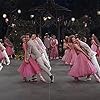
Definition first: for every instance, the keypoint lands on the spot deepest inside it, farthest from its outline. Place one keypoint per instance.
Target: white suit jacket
(87, 48)
(32, 50)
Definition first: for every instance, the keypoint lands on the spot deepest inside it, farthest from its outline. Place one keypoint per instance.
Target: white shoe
(88, 79)
(3, 62)
(98, 80)
(8, 63)
(49, 68)
(1, 68)
(52, 78)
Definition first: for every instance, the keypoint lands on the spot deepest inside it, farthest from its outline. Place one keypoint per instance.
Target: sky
(79, 7)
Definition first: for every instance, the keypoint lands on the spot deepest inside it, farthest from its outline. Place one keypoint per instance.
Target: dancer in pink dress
(66, 58)
(72, 54)
(95, 45)
(82, 66)
(30, 68)
(9, 47)
(54, 48)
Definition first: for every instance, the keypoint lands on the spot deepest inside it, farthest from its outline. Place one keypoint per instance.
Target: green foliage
(21, 28)
(79, 27)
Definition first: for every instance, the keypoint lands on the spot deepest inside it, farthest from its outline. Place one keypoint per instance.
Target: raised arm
(94, 42)
(79, 49)
(65, 46)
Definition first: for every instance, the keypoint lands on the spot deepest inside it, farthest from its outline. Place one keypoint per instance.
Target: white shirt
(86, 47)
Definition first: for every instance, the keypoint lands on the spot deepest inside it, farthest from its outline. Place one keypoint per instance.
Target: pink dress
(82, 66)
(71, 55)
(54, 48)
(9, 47)
(67, 57)
(29, 69)
(98, 52)
(94, 46)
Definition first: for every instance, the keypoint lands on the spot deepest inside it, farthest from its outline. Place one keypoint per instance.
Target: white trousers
(46, 55)
(42, 65)
(1, 67)
(6, 56)
(46, 62)
(96, 64)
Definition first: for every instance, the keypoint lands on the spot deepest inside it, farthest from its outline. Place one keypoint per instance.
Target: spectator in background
(54, 48)
(47, 43)
(9, 47)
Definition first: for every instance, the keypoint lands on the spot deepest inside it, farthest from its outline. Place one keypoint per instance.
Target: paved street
(64, 88)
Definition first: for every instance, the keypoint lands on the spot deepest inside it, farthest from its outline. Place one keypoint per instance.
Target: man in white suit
(42, 50)
(33, 51)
